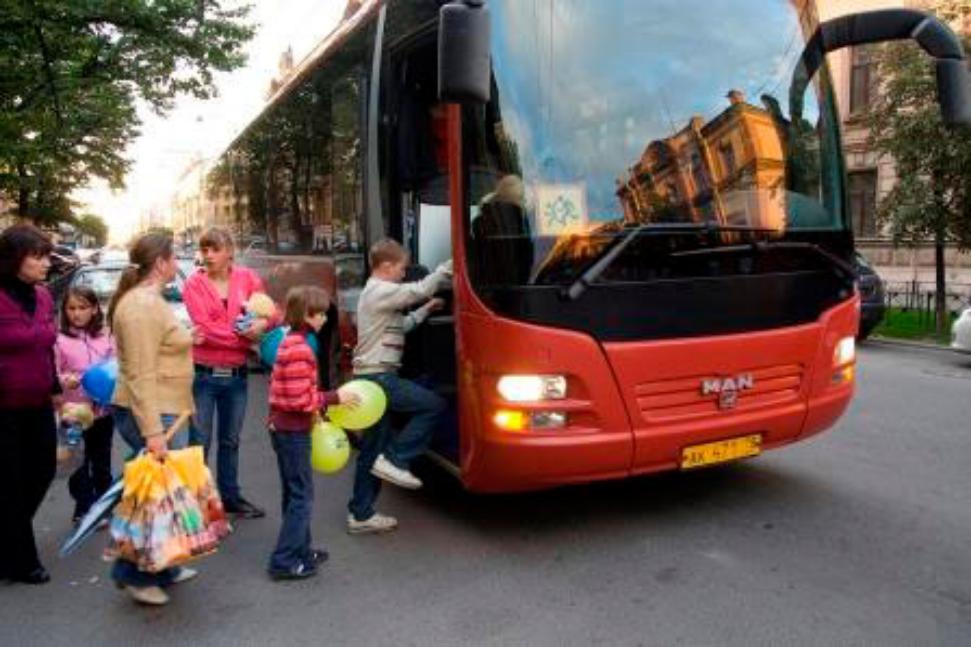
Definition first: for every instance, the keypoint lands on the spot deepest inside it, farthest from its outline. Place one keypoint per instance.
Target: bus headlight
(845, 352)
(531, 388)
(512, 420)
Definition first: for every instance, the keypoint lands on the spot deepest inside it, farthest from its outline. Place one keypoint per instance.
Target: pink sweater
(74, 355)
(221, 347)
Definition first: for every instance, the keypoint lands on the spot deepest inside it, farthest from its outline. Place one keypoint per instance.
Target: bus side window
(434, 234)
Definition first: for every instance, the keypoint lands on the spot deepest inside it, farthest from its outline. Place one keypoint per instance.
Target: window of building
(727, 153)
(863, 203)
(698, 172)
(862, 79)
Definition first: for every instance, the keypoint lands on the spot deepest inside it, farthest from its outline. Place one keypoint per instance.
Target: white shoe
(151, 595)
(386, 471)
(185, 574)
(376, 524)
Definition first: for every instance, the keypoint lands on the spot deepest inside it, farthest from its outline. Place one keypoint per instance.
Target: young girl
(83, 341)
(294, 401)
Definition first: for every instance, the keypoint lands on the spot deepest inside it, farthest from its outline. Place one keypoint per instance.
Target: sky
(204, 128)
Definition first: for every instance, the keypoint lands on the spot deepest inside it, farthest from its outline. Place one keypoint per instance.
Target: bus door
(416, 180)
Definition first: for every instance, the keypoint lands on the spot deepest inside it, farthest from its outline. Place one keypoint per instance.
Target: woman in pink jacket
(82, 342)
(215, 296)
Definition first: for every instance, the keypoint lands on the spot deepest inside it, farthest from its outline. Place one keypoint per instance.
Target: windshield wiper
(576, 289)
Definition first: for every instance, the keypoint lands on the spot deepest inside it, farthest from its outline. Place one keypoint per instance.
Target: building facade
(871, 177)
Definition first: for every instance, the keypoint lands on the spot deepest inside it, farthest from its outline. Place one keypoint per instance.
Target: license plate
(721, 451)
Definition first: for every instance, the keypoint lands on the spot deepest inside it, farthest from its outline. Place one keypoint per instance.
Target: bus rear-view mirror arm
(464, 68)
(936, 38)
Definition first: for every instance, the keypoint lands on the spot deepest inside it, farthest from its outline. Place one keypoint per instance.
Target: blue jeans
(123, 571)
(221, 400)
(404, 396)
(293, 461)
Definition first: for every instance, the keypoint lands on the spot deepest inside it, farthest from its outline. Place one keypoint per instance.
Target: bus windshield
(672, 117)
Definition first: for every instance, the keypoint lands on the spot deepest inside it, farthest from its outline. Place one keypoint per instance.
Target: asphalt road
(859, 537)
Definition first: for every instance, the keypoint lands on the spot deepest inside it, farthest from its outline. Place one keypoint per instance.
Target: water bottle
(73, 434)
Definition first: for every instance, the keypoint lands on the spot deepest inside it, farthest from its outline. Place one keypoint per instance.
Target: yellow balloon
(329, 449)
(367, 413)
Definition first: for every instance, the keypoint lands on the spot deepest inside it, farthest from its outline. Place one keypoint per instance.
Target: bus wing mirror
(936, 38)
(463, 52)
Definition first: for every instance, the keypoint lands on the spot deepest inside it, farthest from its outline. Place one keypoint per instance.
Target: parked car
(64, 263)
(104, 277)
(111, 254)
(961, 332)
(188, 264)
(872, 297)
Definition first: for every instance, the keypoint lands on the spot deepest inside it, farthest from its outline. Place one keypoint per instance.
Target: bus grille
(681, 399)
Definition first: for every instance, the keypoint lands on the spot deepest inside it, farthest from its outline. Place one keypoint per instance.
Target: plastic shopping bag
(163, 521)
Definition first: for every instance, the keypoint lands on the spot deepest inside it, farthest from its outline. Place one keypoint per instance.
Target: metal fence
(921, 297)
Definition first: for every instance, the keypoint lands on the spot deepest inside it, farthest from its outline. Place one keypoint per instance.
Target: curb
(906, 343)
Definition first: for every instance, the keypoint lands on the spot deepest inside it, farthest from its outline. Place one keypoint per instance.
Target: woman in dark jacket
(28, 433)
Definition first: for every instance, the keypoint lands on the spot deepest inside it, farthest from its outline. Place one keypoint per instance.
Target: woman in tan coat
(154, 380)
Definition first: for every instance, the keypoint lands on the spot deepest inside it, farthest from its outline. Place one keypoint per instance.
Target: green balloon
(329, 449)
(367, 413)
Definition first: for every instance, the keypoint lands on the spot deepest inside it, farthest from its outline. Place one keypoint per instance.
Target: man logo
(727, 388)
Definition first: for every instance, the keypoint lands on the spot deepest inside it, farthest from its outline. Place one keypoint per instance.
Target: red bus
(645, 202)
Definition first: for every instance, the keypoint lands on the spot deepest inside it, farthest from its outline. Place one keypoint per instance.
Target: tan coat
(154, 359)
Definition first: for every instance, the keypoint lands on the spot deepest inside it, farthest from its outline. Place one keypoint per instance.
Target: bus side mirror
(463, 52)
(936, 38)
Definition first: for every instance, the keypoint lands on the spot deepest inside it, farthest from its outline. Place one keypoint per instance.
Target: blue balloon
(272, 340)
(99, 381)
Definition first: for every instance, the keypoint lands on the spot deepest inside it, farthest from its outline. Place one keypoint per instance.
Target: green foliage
(73, 71)
(92, 225)
(912, 324)
(933, 192)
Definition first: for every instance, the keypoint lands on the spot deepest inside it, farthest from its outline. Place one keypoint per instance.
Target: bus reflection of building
(730, 170)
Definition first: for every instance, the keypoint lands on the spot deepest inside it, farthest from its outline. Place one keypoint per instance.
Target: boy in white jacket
(381, 328)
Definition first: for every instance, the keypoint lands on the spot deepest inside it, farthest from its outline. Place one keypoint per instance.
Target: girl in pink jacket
(83, 341)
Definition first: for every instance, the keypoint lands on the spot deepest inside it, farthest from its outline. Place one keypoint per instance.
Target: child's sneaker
(301, 571)
(386, 471)
(377, 523)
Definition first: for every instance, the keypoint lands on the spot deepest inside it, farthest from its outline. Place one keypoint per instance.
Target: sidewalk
(909, 343)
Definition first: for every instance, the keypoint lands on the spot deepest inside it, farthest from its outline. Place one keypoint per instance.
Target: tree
(92, 225)
(932, 197)
(72, 73)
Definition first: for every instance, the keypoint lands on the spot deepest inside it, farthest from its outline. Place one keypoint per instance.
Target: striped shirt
(294, 396)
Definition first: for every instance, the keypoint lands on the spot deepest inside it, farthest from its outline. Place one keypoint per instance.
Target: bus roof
(324, 49)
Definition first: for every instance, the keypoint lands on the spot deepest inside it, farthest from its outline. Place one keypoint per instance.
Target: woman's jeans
(123, 571)
(221, 407)
(293, 461)
(404, 396)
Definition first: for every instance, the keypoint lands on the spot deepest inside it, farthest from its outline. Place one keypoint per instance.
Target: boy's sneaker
(301, 571)
(376, 524)
(386, 471)
(318, 556)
